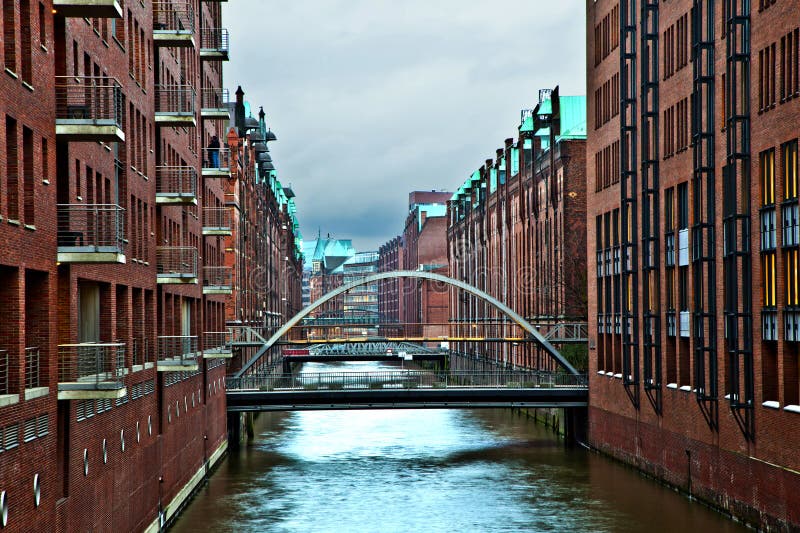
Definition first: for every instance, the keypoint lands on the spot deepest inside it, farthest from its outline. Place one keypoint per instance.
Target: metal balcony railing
(217, 221)
(215, 98)
(5, 382)
(217, 279)
(216, 160)
(83, 101)
(173, 16)
(769, 324)
(176, 263)
(90, 229)
(176, 185)
(87, 366)
(217, 344)
(141, 351)
(177, 350)
(214, 42)
(175, 102)
(32, 375)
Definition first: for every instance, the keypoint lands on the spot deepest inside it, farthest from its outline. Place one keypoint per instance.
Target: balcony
(217, 345)
(216, 163)
(89, 371)
(90, 233)
(88, 8)
(217, 280)
(176, 185)
(214, 44)
(177, 353)
(173, 23)
(89, 109)
(214, 104)
(176, 265)
(175, 105)
(217, 221)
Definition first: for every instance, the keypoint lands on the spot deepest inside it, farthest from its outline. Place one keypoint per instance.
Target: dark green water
(428, 470)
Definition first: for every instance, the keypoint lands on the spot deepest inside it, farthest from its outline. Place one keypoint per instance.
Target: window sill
(792, 408)
(11, 73)
(672, 385)
(686, 388)
(772, 404)
(28, 86)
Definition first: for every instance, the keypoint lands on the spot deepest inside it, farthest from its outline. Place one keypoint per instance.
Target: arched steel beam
(418, 274)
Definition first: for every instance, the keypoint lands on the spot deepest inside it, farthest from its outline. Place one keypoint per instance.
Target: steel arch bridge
(529, 328)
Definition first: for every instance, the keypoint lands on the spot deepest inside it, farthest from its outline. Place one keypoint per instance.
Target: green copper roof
(573, 117)
(527, 125)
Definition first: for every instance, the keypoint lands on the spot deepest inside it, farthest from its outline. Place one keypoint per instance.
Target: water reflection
(428, 470)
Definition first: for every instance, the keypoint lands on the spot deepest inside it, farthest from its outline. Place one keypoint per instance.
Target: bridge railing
(410, 379)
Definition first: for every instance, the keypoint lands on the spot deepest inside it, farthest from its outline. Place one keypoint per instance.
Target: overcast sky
(371, 99)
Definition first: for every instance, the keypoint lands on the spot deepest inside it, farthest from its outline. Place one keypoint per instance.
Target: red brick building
(693, 236)
(390, 303)
(516, 231)
(115, 269)
(425, 305)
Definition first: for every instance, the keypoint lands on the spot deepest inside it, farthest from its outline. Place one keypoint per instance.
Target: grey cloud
(373, 99)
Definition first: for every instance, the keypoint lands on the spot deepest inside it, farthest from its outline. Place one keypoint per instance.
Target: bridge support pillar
(576, 420)
(235, 421)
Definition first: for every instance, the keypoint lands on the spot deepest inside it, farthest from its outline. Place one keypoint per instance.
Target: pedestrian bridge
(399, 389)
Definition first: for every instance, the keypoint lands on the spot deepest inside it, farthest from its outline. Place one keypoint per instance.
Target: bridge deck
(450, 398)
(404, 390)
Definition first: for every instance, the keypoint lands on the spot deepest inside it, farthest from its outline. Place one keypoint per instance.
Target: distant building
(425, 303)
(390, 258)
(360, 304)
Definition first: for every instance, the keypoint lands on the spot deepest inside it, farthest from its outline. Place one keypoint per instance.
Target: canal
(428, 470)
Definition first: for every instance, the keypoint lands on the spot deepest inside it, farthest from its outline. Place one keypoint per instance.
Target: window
(768, 273)
(9, 35)
(683, 206)
(25, 42)
(28, 182)
(12, 170)
(767, 171)
(792, 278)
(42, 26)
(790, 169)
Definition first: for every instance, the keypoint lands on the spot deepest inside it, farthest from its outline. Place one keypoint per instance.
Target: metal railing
(217, 158)
(32, 375)
(141, 351)
(82, 99)
(214, 98)
(216, 342)
(91, 363)
(176, 261)
(176, 182)
(218, 276)
(178, 348)
(91, 227)
(248, 335)
(5, 381)
(175, 99)
(215, 39)
(173, 16)
(411, 379)
(217, 218)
